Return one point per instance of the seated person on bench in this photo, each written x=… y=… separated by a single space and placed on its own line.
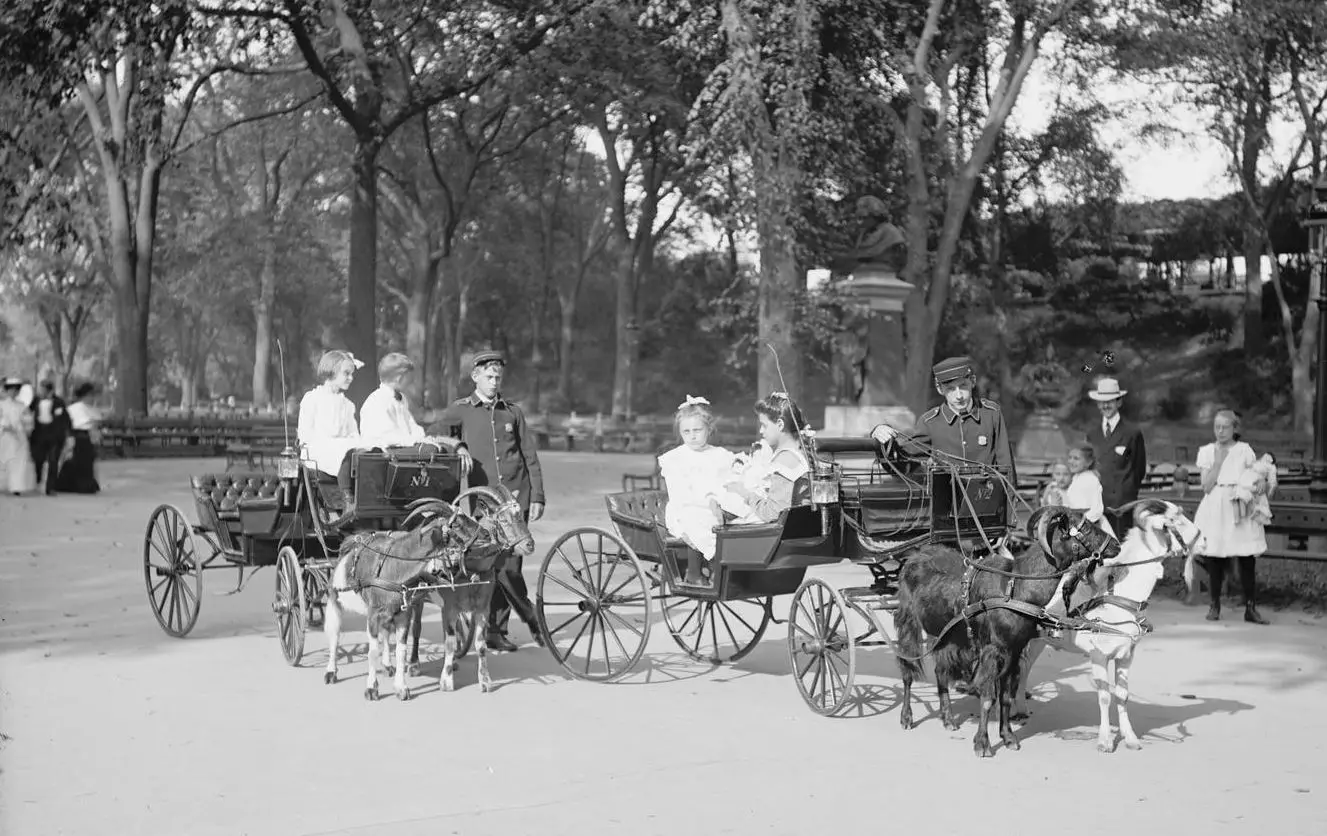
x=385 y=420
x=765 y=488
x=327 y=430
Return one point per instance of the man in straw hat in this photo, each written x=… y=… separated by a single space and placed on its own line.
x=1121 y=453
x=964 y=427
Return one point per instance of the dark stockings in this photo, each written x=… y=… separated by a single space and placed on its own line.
x=1216 y=576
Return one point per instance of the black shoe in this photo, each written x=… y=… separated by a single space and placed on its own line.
x=1214 y=613
x=501 y=644
x=1252 y=615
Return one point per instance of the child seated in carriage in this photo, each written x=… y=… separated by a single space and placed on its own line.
x=385 y=420
x=694 y=474
x=764 y=487
x=327 y=430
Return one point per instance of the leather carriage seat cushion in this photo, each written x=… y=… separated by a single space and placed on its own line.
x=640 y=505
x=225 y=490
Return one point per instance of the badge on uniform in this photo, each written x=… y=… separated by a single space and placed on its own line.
x=507 y=426
x=1119 y=451
x=981 y=440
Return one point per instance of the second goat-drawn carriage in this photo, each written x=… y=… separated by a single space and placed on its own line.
x=291 y=519
x=598 y=589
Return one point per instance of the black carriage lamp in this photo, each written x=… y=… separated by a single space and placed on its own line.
x=1315 y=221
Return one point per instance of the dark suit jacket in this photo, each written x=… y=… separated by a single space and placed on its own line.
x=1121 y=461
x=60 y=426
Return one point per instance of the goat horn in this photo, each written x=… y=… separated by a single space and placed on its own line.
x=1154 y=506
x=488 y=493
x=1039 y=524
x=420 y=507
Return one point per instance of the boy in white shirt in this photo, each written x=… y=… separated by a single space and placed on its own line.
x=385 y=420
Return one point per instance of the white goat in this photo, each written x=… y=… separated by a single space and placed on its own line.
x=1117 y=594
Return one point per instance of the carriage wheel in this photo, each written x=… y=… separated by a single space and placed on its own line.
x=172 y=570
x=289 y=605
x=718 y=632
x=823 y=651
x=593 y=603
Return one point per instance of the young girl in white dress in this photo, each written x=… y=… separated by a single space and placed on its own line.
x=766 y=487
x=694 y=474
x=1084 y=491
x=327 y=429
x=1227 y=526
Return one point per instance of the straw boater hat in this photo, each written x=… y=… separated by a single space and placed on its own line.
x=1107 y=389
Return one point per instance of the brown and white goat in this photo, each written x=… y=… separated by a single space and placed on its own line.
x=476 y=580
x=936 y=585
x=1114 y=596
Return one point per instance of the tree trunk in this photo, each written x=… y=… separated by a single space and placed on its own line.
x=435 y=394
x=419 y=307
x=779 y=366
x=626 y=341
x=360 y=336
x=262 y=320
x=1254 y=342
x=566 y=344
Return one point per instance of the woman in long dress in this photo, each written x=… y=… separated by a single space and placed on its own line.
x=15 y=453
x=1229 y=525
x=78 y=474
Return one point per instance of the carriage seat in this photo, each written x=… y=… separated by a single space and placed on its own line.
x=226 y=491
x=642 y=510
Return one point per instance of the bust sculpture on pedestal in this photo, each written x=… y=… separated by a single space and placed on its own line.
x=873 y=263
x=1050 y=390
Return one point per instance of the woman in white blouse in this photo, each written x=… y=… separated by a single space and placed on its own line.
x=1084 y=491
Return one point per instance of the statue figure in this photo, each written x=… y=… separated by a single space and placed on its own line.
x=876 y=240
x=849 y=365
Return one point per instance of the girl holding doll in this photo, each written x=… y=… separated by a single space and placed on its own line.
x=694 y=473
x=765 y=489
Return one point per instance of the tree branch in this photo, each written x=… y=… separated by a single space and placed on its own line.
x=257 y=117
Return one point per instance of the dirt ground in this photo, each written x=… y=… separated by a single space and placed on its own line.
x=108 y=726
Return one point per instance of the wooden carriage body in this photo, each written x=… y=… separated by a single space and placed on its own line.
x=249 y=520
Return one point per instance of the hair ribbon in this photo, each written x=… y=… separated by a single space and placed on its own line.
x=358 y=364
x=693 y=401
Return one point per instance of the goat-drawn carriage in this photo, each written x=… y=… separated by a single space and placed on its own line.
x=597 y=588
x=284 y=519
x=933 y=537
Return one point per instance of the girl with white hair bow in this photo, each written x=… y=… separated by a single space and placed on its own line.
x=694 y=473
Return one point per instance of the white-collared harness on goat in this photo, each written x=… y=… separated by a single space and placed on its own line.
x=423 y=583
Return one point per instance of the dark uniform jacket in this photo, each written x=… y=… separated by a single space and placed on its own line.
x=979 y=435
x=1121 y=461
x=500 y=443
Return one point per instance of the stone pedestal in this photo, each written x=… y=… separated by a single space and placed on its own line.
x=1043 y=440
x=884 y=385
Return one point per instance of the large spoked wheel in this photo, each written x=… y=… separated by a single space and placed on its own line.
x=823 y=651
x=289 y=605
x=718 y=632
x=593 y=603
x=172 y=570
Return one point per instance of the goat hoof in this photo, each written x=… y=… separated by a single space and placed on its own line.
x=1105 y=748
x=403 y=694
x=414 y=669
x=983 y=751
x=1011 y=743
x=1134 y=745
x=448 y=685
x=371 y=694
x=486 y=686
x=950 y=725
x=329 y=678
x=906 y=722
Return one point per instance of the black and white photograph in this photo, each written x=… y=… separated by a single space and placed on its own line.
x=649 y=417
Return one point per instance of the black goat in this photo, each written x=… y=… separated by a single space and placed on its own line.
x=985 y=652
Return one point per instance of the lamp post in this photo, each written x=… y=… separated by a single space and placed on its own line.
x=1316 y=221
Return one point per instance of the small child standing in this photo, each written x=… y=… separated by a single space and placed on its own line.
x=1054 y=492
x=327 y=431
x=1084 y=492
x=693 y=474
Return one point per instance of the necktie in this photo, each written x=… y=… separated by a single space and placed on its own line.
x=1105 y=427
